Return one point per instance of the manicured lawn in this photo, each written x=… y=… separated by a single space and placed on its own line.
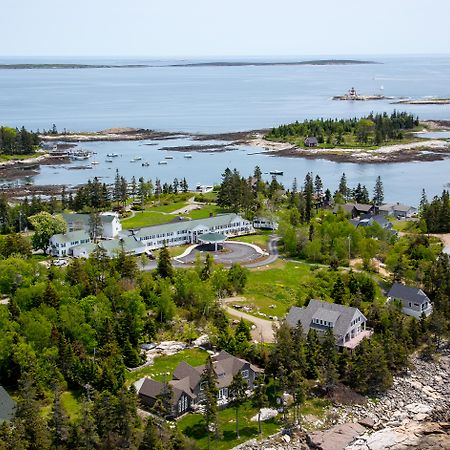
x=19 y=157
x=168 y=208
x=146 y=219
x=261 y=239
x=193 y=426
x=167 y=364
x=205 y=211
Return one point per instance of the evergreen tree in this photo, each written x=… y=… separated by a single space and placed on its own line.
x=378 y=192
x=208 y=381
x=259 y=397
x=237 y=396
x=164 y=268
x=59 y=423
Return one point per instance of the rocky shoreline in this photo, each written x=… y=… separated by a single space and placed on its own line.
x=413 y=414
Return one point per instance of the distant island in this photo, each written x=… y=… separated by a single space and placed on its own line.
x=427 y=101
x=355 y=96
x=319 y=62
x=70 y=66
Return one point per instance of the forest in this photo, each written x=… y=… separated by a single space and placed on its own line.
x=375 y=129
x=18 y=142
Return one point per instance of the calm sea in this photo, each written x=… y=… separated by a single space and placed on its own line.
x=216 y=99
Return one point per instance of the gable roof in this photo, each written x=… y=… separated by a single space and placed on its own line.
x=311 y=140
x=185 y=370
x=209 y=222
x=71 y=236
x=340 y=315
x=408 y=293
x=402 y=208
x=363 y=207
x=7 y=406
x=83 y=219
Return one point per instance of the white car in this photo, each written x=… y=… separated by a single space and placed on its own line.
x=60 y=262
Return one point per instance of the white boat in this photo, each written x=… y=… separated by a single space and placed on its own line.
x=108 y=160
x=112 y=155
x=145 y=164
x=168 y=157
x=188 y=156
x=95 y=163
x=137 y=158
x=161 y=163
x=276 y=172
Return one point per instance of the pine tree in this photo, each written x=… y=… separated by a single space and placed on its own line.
x=259 y=398
x=343 y=188
x=237 y=396
x=378 y=192
x=164 y=268
x=208 y=381
x=59 y=422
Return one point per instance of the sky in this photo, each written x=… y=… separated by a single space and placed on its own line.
x=196 y=28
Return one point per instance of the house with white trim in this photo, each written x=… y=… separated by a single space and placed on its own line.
x=110 y=229
x=63 y=243
x=413 y=300
x=348 y=324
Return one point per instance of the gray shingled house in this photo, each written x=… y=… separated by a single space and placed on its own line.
x=414 y=301
x=311 y=141
x=7 y=406
x=186 y=383
x=347 y=323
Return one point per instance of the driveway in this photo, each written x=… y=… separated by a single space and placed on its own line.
x=264 y=328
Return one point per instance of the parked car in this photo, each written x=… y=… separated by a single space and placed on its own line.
x=60 y=262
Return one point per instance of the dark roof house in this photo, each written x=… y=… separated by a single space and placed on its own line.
x=311 y=141
x=186 y=382
x=414 y=301
x=7 y=406
x=348 y=324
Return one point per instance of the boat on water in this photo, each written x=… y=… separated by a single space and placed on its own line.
x=145 y=164
x=109 y=160
x=161 y=163
x=276 y=172
x=168 y=157
x=112 y=155
x=188 y=156
x=94 y=163
x=137 y=158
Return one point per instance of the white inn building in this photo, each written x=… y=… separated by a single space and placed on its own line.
x=187 y=232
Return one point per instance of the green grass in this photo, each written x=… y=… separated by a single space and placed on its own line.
x=146 y=219
x=164 y=364
x=261 y=239
x=19 y=157
x=71 y=403
x=278 y=285
x=205 y=212
x=168 y=208
x=193 y=426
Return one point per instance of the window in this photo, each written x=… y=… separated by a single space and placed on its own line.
x=245 y=373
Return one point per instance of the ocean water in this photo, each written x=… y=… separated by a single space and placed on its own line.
x=219 y=99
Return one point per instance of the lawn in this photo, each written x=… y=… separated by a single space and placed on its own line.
x=205 y=212
x=146 y=219
x=279 y=286
x=192 y=425
x=19 y=157
x=71 y=403
x=167 y=364
x=261 y=239
x=168 y=208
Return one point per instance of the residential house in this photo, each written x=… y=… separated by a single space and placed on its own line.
x=397 y=210
x=348 y=324
x=187 y=386
x=7 y=406
x=414 y=301
x=187 y=232
x=111 y=226
x=265 y=223
x=311 y=141
x=63 y=243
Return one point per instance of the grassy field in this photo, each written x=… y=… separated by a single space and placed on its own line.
x=146 y=219
x=279 y=286
x=168 y=208
x=193 y=426
x=261 y=239
x=205 y=212
x=71 y=403
x=167 y=364
x=19 y=157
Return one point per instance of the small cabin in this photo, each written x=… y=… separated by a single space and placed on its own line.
x=311 y=141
